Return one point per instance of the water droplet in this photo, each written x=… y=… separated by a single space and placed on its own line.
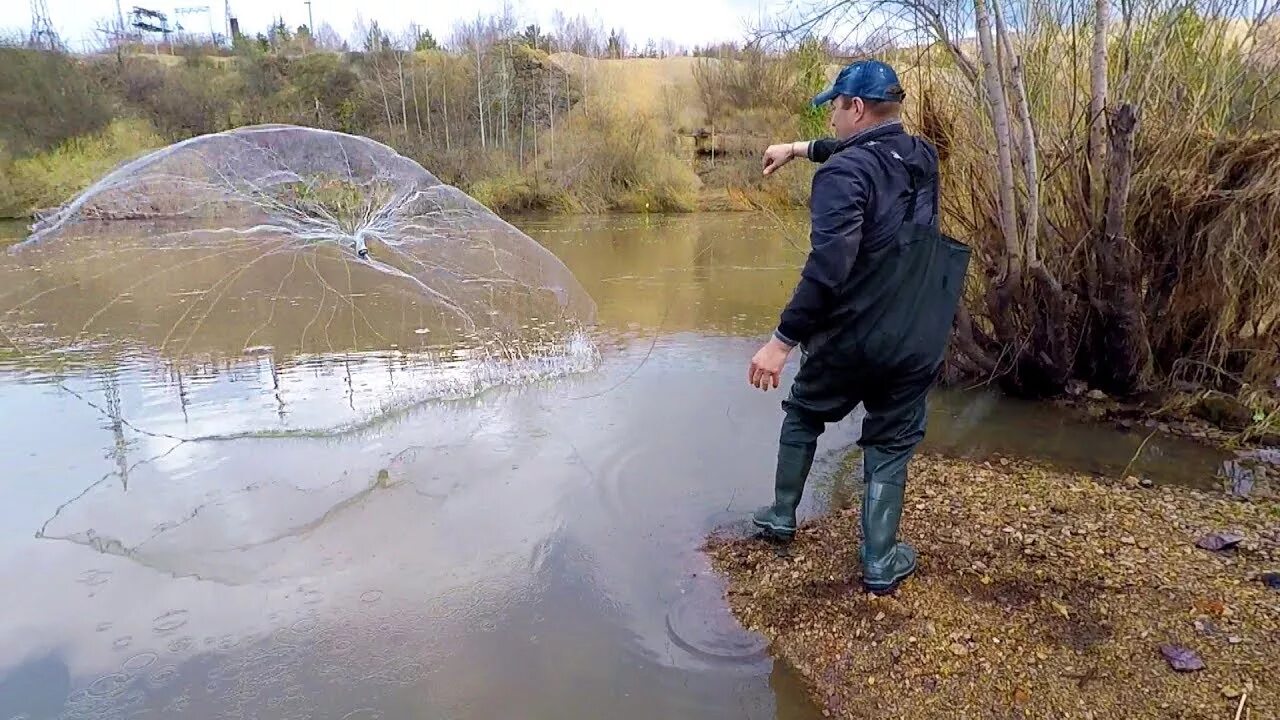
x=371 y=596
x=336 y=646
x=163 y=676
x=103 y=627
x=94 y=578
x=133 y=699
x=401 y=675
x=140 y=661
x=121 y=643
x=305 y=626
x=182 y=644
x=108 y=685
x=362 y=714
x=169 y=621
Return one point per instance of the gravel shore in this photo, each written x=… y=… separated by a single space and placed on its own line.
x=1039 y=594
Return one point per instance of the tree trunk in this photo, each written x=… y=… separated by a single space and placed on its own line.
x=426 y=81
x=417 y=112
x=1004 y=158
x=1030 y=153
x=444 y=94
x=479 y=96
x=386 y=104
x=551 y=113
x=404 y=107
x=1122 y=354
x=1097 y=104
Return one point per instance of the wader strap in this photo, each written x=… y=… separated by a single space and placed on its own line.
x=915 y=181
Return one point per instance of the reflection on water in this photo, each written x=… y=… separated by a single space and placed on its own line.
x=528 y=552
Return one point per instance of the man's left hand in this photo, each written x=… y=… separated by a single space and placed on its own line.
x=766 y=366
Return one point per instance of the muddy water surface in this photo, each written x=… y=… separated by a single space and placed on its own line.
x=530 y=552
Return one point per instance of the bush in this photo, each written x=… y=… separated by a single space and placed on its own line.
x=514 y=192
x=623 y=159
x=51 y=178
x=181 y=102
x=46 y=99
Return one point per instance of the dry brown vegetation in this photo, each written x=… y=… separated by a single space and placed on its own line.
x=1115 y=171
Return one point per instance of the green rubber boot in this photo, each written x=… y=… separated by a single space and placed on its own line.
x=779 y=519
x=796 y=447
x=885 y=561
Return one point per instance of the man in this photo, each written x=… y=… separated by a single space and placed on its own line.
x=872 y=311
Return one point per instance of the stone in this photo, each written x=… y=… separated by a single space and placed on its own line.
x=1224 y=411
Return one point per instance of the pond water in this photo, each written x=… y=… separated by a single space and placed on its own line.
x=177 y=537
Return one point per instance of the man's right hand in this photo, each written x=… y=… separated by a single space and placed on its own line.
x=775 y=156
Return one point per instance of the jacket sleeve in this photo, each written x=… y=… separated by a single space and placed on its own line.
x=837 y=204
x=822 y=148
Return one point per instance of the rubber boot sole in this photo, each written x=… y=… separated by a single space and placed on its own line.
x=775 y=532
x=890 y=587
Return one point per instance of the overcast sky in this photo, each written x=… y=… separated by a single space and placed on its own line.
x=687 y=22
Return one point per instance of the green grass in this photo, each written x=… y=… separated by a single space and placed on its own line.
x=50 y=178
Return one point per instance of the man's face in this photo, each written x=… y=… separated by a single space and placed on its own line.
x=847 y=116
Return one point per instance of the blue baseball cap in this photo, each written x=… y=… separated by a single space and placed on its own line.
x=866 y=79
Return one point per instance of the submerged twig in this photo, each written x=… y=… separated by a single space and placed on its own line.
x=1134 y=459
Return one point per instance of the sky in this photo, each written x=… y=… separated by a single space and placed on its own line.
x=687 y=22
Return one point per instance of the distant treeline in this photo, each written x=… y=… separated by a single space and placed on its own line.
x=490 y=111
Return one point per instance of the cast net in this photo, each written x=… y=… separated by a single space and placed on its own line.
x=292 y=243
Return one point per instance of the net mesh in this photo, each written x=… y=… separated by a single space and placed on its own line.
x=292 y=241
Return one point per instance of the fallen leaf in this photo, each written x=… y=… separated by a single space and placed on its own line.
x=1210 y=607
x=1020 y=697
x=1181 y=658
x=959 y=650
x=1219 y=540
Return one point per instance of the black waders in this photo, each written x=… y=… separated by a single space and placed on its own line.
x=883 y=349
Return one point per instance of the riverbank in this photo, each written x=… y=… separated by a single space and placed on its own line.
x=1040 y=594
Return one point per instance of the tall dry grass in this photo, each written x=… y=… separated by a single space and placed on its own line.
x=1187 y=285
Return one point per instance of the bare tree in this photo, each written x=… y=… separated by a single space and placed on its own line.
x=1098 y=100
x=997 y=102
x=1030 y=152
x=326 y=38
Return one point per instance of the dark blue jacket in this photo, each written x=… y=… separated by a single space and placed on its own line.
x=859 y=200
